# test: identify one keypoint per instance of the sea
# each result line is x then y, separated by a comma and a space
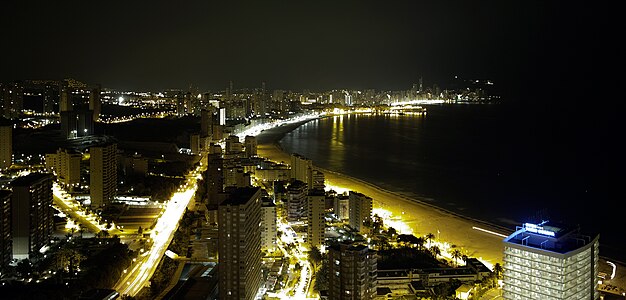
505, 164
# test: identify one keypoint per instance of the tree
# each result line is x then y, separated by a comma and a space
435, 251
315, 258
24, 268
430, 236
497, 269
391, 232
456, 254
407, 240
139, 230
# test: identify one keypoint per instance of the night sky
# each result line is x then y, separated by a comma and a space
317, 45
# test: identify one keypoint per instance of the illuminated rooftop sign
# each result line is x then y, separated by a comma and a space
538, 229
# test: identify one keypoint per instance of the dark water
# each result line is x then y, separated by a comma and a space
504, 164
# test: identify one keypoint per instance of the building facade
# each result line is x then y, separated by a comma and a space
103, 174
239, 244
301, 169
6, 247
360, 207
297, 201
315, 219
66, 164
268, 224
352, 272
6, 146
550, 262
31, 214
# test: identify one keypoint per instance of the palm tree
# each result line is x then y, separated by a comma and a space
435, 251
456, 254
420, 243
430, 236
464, 258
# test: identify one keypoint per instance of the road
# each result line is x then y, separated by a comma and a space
77, 212
143, 269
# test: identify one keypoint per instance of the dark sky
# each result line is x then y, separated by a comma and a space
297, 45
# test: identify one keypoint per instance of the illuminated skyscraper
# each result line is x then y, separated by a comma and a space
6, 145
301, 169
297, 201
268, 224
316, 223
550, 262
102, 174
31, 214
239, 244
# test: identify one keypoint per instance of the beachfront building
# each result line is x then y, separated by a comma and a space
546, 261
341, 207
301, 169
352, 272
360, 207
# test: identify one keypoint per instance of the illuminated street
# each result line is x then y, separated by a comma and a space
301, 287
162, 234
77, 211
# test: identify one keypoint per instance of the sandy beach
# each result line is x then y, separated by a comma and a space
420, 216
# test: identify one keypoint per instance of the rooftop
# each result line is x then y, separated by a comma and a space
554, 237
240, 196
30, 179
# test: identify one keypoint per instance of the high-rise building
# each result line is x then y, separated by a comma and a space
214, 179
250, 145
316, 218
66, 164
239, 243
549, 261
6, 145
268, 224
181, 110
301, 169
317, 180
6, 249
360, 207
50, 97
102, 174
297, 201
341, 207
352, 272
31, 214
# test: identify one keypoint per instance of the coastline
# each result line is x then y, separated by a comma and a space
421, 216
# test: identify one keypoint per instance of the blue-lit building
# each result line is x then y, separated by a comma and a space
549, 261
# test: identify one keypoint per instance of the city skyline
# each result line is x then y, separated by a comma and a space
352, 45
310, 150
